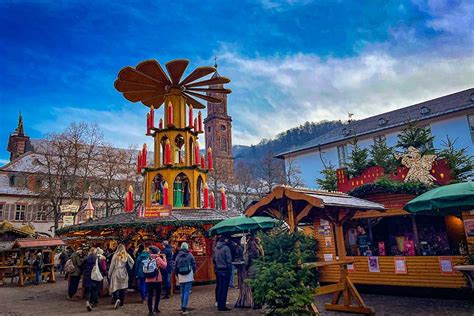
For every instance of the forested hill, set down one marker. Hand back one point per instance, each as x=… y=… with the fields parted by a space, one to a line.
x=285 y=140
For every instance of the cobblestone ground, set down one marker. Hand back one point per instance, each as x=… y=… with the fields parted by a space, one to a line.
x=50 y=300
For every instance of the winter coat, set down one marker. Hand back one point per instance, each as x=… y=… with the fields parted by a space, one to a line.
x=87 y=266
x=239 y=253
x=160 y=264
x=168 y=252
x=182 y=255
x=222 y=257
x=38 y=264
x=118 y=274
x=77 y=261
x=138 y=264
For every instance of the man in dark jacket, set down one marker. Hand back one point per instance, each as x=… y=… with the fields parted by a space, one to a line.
x=75 y=276
x=91 y=287
x=166 y=272
x=223 y=266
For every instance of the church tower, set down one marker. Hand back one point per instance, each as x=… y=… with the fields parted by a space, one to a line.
x=218 y=127
x=18 y=142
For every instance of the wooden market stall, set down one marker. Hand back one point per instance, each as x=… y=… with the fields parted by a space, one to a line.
x=17 y=258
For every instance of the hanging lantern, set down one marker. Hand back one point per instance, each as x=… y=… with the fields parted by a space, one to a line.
x=209 y=159
x=165 y=194
x=223 y=200
x=190 y=115
x=160 y=125
x=167 y=152
x=213 y=201
x=200 y=122
x=196 y=153
x=203 y=165
x=206 y=196
x=170 y=115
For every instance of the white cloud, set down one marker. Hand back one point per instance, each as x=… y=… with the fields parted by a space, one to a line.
x=274 y=94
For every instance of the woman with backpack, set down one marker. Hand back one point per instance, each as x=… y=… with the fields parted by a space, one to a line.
x=185 y=267
x=151 y=271
x=142 y=255
x=118 y=274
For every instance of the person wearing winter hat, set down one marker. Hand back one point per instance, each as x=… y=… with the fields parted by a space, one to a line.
x=153 y=284
x=184 y=268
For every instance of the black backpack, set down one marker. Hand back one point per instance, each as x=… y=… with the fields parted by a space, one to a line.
x=184 y=265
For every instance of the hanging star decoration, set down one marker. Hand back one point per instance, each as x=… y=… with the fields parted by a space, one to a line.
x=419 y=166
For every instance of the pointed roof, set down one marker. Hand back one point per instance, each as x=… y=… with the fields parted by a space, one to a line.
x=89 y=206
x=19 y=131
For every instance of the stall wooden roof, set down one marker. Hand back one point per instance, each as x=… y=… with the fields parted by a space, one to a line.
x=37 y=243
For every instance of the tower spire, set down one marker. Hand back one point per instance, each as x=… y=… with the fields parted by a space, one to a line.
x=19 y=129
x=215 y=62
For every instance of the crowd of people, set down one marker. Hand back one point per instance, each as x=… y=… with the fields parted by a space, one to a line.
x=149 y=270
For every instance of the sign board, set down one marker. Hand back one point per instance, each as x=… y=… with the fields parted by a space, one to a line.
x=446 y=265
x=157 y=211
x=351 y=266
x=469 y=227
x=68 y=220
x=373 y=264
x=69 y=208
x=400 y=265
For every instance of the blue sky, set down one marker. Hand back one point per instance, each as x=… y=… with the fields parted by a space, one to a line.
x=289 y=61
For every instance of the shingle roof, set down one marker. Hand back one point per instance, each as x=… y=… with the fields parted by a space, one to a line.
x=177 y=217
x=6 y=189
x=437 y=107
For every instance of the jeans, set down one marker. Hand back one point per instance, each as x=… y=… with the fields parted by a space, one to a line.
x=142 y=287
x=119 y=295
x=73 y=285
x=92 y=292
x=38 y=276
x=153 y=288
x=232 y=274
x=166 y=281
x=223 y=280
x=185 y=289
x=61 y=268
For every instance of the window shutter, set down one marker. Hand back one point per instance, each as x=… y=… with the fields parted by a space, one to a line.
x=29 y=212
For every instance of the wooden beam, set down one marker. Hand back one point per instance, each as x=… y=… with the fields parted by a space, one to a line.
x=350 y=309
x=340 y=245
x=329 y=289
x=291 y=216
x=303 y=213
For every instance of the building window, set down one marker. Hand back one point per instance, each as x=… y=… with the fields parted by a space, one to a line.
x=379 y=138
x=20 y=212
x=470 y=120
x=209 y=129
x=2 y=206
x=342 y=155
x=41 y=214
x=223 y=128
x=428 y=145
x=12 y=180
x=223 y=144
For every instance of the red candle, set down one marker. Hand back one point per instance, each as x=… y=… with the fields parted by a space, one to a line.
x=206 y=196
x=152 y=117
x=203 y=164
x=139 y=162
x=144 y=156
x=167 y=152
x=195 y=125
x=200 y=122
x=190 y=116
x=196 y=153
x=170 y=114
x=129 y=199
x=165 y=194
x=213 y=201
x=148 y=123
x=160 y=126
x=209 y=159
x=223 y=199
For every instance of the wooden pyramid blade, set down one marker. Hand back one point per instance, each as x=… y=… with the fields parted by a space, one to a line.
x=153 y=69
x=198 y=73
x=156 y=101
x=124 y=86
x=216 y=90
x=203 y=96
x=176 y=69
x=212 y=81
x=130 y=74
x=194 y=103
x=136 y=96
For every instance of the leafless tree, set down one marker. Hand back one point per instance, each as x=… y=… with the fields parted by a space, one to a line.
x=245 y=187
x=271 y=172
x=293 y=173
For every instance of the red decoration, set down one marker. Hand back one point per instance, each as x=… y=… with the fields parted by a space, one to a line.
x=213 y=200
x=129 y=199
x=200 y=122
x=139 y=162
x=148 y=125
x=144 y=156
x=196 y=153
x=203 y=164
x=160 y=126
x=190 y=115
x=167 y=152
x=165 y=194
x=195 y=126
x=223 y=200
x=170 y=115
x=206 y=196
x=209 y=159
x=152 y=117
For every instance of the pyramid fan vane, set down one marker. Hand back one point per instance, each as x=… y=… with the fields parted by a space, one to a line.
x=148 y=83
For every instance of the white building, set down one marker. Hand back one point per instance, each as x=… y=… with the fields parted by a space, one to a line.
x=451 y=115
